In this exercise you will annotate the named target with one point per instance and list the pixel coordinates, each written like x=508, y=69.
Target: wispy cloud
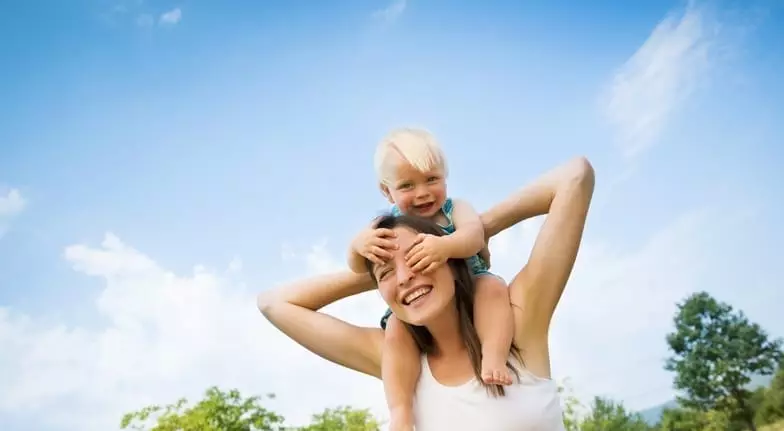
x=145, y=20
x=392, y=12
x=665, y=71
x=11, y=204
x=624, y=296
x=171, y=17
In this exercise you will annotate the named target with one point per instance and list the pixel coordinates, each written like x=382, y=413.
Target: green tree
x=572, y=406
x=607, y=415
x=715, y=351
x=343, y=419
x=218, y=411
x=685, y=419
x=772, y=405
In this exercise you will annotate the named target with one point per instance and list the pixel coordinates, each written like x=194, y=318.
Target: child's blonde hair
x=418, y=147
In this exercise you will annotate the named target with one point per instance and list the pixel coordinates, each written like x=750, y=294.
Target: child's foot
x=401, y=420
x=494, y=371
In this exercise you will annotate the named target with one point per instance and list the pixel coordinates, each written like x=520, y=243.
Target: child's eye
x=404, y=186
x=383, y=274
x=432, y=179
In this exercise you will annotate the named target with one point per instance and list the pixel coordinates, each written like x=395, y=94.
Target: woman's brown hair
x=465, y=289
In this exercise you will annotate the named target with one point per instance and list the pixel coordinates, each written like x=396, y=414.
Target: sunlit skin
x=417, y=193
x=396, y=280
x=423, y=193
x=563, y=193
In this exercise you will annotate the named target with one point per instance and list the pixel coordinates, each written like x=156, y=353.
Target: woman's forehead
x=405, y=238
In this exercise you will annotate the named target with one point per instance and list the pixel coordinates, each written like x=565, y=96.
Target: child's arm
x=469, y=236
x=356, y=262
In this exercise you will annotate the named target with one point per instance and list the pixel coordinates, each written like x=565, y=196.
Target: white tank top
x=532, y=404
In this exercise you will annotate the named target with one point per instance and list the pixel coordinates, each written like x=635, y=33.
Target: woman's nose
x=404, y=274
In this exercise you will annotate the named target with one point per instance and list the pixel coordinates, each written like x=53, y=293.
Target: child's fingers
x=416, y=249
x=374, y=259
x=385, y=243
x=413, y=253
x=412, y=260
x=385, y=233
x=380, y=253
x=430, y=268
x=421, y=264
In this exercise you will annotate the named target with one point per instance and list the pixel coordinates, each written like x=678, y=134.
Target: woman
x=450, y=395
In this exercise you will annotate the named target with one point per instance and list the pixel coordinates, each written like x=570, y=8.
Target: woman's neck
x=446, y=333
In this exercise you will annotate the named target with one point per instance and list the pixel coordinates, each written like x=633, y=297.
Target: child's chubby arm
x=431, y=251
x=469, y=236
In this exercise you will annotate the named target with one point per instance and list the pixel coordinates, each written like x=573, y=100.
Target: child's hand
x=428, y=253
x=374, y=244
x=484, y=253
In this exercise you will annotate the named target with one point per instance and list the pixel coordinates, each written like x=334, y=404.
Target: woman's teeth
x=413, y=296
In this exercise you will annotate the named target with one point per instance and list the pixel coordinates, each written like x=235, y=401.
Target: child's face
x=414, y=192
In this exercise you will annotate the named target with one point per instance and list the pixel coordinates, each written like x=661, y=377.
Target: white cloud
x=608, y=333
x=12, y=203
x=10, y=206
x=392, y=12
x=166, y=336
x=649, y=88
x=171, y=17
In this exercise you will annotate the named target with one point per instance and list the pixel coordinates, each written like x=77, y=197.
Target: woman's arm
x=294, y=310
x=565, y=194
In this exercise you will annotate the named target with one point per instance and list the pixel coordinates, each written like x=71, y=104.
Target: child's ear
x=385, y=192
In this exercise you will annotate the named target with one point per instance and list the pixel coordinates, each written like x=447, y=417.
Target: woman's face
x=415, y=298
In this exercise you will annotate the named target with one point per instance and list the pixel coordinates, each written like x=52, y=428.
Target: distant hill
x=652, y=415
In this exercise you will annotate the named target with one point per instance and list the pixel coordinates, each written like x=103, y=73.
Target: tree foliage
x=685, y=419
x=715, y=351
x=343, y=419
x=571, y=407
x=218, y=411
x=230, y=411
x=607, y=415
x=771, y=407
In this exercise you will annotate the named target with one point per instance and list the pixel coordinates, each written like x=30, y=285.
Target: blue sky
x=233, y=144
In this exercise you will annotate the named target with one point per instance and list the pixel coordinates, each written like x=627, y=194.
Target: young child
x=412, y=171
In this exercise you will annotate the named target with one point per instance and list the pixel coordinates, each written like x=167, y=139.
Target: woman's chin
x=424, y=312
x=411, y=319
x=420, y=317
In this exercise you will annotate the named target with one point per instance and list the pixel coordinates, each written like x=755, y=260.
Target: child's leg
x=495, y=327
x=400, y=369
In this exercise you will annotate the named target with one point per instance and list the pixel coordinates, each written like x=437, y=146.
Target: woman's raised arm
x=294, y=310
x=564, y=194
